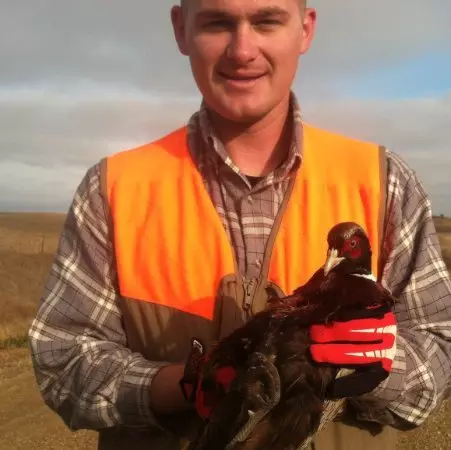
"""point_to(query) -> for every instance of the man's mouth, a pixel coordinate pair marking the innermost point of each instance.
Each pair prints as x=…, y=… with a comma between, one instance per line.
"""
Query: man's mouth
x=241, y=82
x=242, y=77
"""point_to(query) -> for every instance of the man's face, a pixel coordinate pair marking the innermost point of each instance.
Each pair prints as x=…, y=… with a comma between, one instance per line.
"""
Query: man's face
x=243, y=53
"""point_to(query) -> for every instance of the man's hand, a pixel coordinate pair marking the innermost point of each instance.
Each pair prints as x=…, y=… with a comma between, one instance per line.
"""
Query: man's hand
x=364, y=341
x=165, y=395
x=204, y=394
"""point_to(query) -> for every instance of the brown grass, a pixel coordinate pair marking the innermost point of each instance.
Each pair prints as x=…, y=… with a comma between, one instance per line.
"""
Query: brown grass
x=27, y=246
x=443, y=226
x=22, y=279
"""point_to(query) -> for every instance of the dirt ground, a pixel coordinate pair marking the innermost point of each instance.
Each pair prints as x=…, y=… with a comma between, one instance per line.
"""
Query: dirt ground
x=26, y=423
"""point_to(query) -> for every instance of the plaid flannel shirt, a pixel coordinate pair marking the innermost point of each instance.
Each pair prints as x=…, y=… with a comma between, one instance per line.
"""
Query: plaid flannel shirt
x=87, y=374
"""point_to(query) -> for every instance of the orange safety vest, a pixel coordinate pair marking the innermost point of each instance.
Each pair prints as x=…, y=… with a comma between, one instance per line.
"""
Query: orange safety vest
x=176, y=269
x=171, y=247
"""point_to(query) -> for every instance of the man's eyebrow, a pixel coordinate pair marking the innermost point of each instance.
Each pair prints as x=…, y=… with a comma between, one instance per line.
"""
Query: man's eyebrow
x=272, y=11
x=269, y=11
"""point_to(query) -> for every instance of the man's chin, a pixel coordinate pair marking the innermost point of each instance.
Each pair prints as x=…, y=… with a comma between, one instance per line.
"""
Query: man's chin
x=242, y=110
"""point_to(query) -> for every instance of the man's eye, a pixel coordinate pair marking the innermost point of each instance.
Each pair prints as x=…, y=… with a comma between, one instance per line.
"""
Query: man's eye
x=217, y=24
x=267, y=23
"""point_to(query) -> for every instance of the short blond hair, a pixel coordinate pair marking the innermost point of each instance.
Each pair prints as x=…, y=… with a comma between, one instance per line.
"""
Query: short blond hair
x=303, y=3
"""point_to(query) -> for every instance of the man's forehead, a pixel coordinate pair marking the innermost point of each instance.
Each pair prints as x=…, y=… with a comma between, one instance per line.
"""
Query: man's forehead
x=240, y=5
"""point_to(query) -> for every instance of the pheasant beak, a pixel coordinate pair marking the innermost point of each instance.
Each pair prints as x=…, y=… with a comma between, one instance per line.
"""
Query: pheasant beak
x=332, y=260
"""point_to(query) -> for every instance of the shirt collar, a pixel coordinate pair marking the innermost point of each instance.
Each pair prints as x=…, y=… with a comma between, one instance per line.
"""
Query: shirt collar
x=200, y=123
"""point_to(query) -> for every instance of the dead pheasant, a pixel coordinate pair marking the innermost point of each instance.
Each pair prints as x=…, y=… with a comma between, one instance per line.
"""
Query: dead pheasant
x=279, y=396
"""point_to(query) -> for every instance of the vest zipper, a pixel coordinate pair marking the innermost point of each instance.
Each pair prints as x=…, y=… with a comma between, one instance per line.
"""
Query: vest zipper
x=249, y=292
x=262, y=281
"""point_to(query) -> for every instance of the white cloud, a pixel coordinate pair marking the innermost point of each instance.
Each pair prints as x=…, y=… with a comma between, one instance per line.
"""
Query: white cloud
x=27, y=187
x=49, y=139
x=45, y=128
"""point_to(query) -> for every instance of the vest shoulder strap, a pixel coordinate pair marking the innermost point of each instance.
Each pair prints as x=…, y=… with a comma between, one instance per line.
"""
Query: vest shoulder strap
x=151, y=161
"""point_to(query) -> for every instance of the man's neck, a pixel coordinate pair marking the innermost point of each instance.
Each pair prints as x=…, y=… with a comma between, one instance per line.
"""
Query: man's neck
x=257, y=148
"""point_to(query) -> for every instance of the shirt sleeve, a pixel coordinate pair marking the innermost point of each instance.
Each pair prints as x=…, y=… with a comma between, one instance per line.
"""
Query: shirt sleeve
x=83, y=369
x=415, y=273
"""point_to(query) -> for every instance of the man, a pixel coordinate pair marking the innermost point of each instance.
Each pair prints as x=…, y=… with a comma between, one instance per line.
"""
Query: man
x=145, y=261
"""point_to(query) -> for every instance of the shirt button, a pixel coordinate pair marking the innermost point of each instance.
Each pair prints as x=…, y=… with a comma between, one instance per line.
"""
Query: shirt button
x=250, y=199
x=258, y=263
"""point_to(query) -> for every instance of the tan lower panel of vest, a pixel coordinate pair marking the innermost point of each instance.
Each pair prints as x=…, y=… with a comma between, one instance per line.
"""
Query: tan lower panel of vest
x=163, y=333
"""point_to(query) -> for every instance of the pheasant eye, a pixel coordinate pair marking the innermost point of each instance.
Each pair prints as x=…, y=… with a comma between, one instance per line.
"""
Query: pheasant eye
x=352, y=248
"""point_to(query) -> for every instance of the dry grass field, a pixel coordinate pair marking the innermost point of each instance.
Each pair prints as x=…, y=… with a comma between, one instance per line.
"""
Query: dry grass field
x=27, y=244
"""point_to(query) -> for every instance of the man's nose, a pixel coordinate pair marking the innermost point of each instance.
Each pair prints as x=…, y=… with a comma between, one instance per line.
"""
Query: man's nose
x=243, y=45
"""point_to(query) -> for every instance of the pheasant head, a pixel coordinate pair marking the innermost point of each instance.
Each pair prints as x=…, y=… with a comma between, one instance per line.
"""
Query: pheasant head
x=349, y=250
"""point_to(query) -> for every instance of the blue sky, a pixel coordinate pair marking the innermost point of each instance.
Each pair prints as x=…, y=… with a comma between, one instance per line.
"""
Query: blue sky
x=425, y=75
x=83, y=79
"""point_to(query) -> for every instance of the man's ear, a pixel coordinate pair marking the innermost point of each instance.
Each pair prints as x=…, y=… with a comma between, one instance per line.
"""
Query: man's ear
x=178, y=25
x=308, y=29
